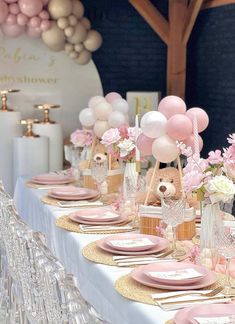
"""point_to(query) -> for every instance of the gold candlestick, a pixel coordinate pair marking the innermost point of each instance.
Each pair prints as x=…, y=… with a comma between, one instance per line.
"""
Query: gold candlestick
x=137, y=106
x=3, y=94
x=46, y=109
x=29, y=123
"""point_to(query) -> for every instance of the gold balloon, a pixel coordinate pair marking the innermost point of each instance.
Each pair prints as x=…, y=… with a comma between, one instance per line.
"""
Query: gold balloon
x=54, y=38
x=83, y=58
x=77, y=8
x=93, y=41
x=86, y=23
x=79, y=35
x=60, y=8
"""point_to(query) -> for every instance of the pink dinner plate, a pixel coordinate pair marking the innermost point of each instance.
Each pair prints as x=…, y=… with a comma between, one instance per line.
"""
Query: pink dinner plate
x=74, y=217
x=174, y=266
x=162, y=244
x=187, y=315
x=139, y=275
x=97, y=214
x=132, y=242
x=72, y=193
x=52, y=178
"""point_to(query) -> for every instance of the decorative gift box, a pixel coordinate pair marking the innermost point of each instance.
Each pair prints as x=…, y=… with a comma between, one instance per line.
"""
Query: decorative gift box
x=150, y=217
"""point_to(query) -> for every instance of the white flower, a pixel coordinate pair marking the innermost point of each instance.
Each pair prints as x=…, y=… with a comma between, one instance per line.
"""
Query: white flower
x=133, y=133
x=220, y=188
x=126, y=146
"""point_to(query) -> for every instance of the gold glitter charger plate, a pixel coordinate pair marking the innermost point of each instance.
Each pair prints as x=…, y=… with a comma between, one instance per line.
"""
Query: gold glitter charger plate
x=56, y=202
x=33, y=185
x=66, y=223
x=133, y=290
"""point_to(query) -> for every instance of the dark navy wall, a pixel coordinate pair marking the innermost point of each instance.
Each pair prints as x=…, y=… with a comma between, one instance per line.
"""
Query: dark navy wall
x=133, y=57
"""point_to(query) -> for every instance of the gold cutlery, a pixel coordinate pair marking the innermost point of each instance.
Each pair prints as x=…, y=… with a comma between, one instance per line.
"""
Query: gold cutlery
x=212, y=293
x=190, y=301
x=123, y=258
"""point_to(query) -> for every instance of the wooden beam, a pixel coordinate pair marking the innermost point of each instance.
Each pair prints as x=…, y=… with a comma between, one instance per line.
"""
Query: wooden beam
x=153, y=17
x=176, y=54
x=215, y=3
x=191, y=16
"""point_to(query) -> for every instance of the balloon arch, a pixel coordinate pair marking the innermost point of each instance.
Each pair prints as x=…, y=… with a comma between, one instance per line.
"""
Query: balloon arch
x=59, y=23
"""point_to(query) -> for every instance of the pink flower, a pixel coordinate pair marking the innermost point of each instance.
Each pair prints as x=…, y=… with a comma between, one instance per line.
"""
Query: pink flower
x=193, y=180
x=229, y=155
x=123, y=131
x=185, y=150
x=231, y=139
x=194, y=253
x=133, y=133
x=215, y=157
x=81, y=137
x=111, y=136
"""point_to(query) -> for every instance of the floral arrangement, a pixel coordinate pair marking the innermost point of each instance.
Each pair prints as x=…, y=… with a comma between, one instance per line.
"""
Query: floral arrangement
x=120, y=142
x=81, y=138
x=212, y=179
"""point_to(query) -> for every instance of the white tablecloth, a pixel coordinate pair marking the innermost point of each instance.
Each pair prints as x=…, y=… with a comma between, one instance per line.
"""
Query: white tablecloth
x=95, y=280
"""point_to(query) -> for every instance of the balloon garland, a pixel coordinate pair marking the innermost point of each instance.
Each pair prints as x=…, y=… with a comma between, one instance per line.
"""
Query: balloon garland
x=59, y=23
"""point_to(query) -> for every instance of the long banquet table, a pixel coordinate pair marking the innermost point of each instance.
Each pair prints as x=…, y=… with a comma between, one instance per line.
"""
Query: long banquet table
x=96, y=281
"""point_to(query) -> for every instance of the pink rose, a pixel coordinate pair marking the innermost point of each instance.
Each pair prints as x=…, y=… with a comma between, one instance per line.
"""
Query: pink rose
x=81, y=138
x=133, y=133
x=111, y=136
x=193, y=180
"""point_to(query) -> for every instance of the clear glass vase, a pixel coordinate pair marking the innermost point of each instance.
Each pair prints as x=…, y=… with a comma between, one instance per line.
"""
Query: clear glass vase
x=130, y=179
x=210, y=220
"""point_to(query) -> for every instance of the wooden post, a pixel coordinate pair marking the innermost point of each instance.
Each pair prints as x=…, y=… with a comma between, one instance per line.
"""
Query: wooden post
x=176, y=53
x=92, y=151
x=156, y=168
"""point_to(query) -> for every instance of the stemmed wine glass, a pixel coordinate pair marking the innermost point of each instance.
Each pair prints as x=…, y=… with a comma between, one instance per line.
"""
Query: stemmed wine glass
x=74, y=155
x=173, y=212
x=99, y=172
x=225, y=243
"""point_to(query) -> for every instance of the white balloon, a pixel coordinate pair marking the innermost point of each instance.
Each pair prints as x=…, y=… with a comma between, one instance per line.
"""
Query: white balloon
x=153, y=124
x=164, y=149
x=120, y=105
x=100, y=127
x=95, y=100
x=87, y=117
x=116, y=119
x=102, y=110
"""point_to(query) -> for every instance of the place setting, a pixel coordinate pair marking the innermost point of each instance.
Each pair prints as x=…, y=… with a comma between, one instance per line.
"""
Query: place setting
x=128, y=250
x=50, y=180
x=96, y=220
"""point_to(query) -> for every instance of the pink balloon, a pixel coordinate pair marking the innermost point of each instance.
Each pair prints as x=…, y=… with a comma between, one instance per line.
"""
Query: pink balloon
x=11, y=1
x=189, y=141
x=12, y=30
x=34, y=22
x=22, y=20
x=95, y=101
x=111, y=96
x=172, y=105
x=34, y=32
x=44, y=14
x=3, y=11
x=11, y=19
x=201, y=116
x=179, y=127
x=45, y=2
x=144, y=144
x=14, y=8
x=45, y=25
x=30, y=8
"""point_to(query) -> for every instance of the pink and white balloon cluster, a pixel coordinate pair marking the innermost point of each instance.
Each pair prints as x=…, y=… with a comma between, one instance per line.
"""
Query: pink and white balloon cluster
x=70, y=31
x=172, y=122
x=66, y=30
x=19, y=16
x=104, y=113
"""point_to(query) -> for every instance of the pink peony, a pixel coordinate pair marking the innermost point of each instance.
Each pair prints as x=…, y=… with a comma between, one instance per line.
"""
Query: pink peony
x=193, y=180
x=229, y=155
x=215, y=157
x=111, y=136
x=81, y=138
x=231, y=139
x=185, y=150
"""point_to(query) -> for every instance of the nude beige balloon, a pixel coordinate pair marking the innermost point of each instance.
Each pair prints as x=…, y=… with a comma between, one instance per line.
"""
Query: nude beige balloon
x=77, y=8
x=54, y=38
x=86, y=22
x=93, y=40
x=83, y=58
x=60, y=8
x=79, y=34
x=63, y=23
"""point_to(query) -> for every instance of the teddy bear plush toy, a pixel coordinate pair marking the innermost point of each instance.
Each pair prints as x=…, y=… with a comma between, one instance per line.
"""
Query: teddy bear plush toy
x=166, y=184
